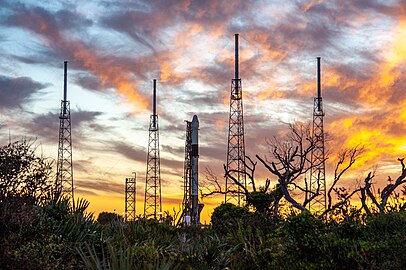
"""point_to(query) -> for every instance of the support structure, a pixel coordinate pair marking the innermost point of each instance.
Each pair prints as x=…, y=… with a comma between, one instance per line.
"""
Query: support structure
x=153, y=203
x=236, y=144
x=64, y=176
x=130, y=197
x=318, y=169
x=187, y=177
x=191, y=208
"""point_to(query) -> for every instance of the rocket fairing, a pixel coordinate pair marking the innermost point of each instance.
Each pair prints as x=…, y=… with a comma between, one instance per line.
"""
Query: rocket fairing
x=195, y=136
x=195, y=170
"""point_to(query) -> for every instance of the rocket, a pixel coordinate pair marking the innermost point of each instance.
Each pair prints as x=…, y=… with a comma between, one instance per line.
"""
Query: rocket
x=195, y=170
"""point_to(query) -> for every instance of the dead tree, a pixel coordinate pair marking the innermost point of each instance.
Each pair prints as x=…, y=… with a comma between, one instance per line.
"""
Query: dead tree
x=381, y=202
x=346, y=158
x=264, y=199
x=290, y=160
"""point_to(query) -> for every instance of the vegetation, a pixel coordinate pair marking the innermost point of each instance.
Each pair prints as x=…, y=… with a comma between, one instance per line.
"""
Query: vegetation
x=39, y=231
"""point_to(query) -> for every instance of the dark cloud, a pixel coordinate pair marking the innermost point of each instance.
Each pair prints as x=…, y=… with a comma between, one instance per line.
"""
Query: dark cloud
x=136, y=24
x=51, y=24
x=128, y=151
x=104, y=185
x=80, y=117
x=109, y=69
x=46, y=126
x=89, y=82
x=71, y=20
x=204, y=98
x=145, y=23
x=15, y=92
x=177, y=151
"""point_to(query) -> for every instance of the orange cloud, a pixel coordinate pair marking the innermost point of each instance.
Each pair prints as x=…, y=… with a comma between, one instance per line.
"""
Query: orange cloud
x=109, y=74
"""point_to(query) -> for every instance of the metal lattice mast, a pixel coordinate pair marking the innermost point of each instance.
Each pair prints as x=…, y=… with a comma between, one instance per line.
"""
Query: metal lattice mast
x=153, y=203
x=64, y=176
x=130, y=197
x=236, y=144
x=318, y=169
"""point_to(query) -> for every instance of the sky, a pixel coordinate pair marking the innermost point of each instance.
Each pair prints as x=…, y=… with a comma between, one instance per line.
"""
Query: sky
x=116, y=48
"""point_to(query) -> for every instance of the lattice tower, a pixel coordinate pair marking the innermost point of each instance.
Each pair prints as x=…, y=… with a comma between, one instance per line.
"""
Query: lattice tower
x=236, y=144
x=153, y=203
x=64, y=176
x=318, y=169
x=130, y=197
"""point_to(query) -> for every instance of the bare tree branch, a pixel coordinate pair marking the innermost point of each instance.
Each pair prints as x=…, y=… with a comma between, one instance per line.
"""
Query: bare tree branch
x=346, y=158
x=290, y=160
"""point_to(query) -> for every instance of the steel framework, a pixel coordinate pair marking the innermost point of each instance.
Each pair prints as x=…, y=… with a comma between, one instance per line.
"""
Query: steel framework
x=130, y=197
x=236, y=144
x=318, y=169
x=152, y=202
x=187, y=177
x=64, y=176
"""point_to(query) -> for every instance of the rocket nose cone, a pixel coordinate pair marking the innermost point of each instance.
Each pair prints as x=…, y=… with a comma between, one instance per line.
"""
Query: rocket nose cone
x=195, y=121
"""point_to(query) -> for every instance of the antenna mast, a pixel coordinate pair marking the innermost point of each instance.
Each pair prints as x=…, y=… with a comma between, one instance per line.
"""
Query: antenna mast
x=236, y=143
x=318, y=168
x=153, y=203
x=64, y=175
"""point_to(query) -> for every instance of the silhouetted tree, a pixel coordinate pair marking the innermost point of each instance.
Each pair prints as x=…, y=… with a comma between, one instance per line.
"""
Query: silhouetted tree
x=108, y=217
x=289, y=161
x=24, y=176
x=380, y=200
x=263, y=199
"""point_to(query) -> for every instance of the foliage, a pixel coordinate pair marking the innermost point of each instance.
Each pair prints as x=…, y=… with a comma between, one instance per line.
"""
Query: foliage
x=38, y=231
x=108, y=217
x=24, y=176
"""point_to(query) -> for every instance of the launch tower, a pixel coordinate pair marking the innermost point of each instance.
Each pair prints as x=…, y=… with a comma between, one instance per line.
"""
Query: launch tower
x=64, y=175
x=153, y=203
x=130, y=197
x=236, y=145
x=317, y=172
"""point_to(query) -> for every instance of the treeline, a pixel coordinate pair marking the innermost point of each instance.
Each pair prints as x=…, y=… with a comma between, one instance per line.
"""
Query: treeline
x=55, y=236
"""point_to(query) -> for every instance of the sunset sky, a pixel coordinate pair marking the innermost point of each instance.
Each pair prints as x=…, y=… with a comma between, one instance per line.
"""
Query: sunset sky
x=116, y=48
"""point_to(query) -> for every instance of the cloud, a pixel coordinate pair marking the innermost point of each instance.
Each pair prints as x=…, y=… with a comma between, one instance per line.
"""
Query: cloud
x=89, y=82
x=188, y=46
x=15, y=92
x=103, y=185
x=130, y=152
x=46, y=126
x=46, y=25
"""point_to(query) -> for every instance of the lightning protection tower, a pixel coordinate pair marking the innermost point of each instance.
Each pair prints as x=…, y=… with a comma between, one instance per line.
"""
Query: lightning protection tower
x=153, y=203
x=64, y=176
x=130, y=197
x=236, y=145
x=317, y=171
